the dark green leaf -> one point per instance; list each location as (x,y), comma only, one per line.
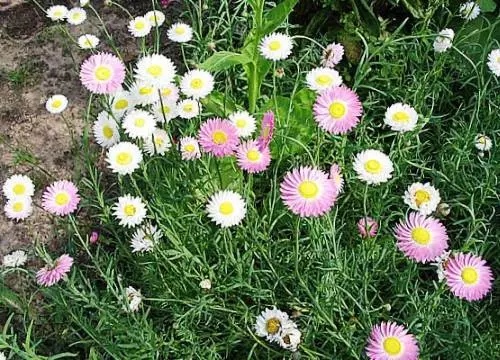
(487,5)
(223,60)
(219,104)
(278,15)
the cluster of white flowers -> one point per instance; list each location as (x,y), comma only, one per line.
(277,327)
(19,190)
(15,259)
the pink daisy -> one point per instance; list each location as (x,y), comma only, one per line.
(50,274)
(307,191)
(102,73)
(266,131)
(332,55)
(218,137)
(251,158)
(421,238)
(336,176)
(367,227)
(390,341)
(61,198)
(468,276)
(337,110)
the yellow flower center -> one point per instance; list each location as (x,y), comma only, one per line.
(139,25)
(469,275)
(121,104)
(19,189)
(498,59)
(196,84)
(188,107)
(373,166)
(88,43)
(58,13)
(159,141)
(219,137)
(180,30)
(482,140)
(274,45)
(422,197)
(18,206)
(273,325)
(324,80)
(421,235)
(392,346)
(56,103)
(62,198)
(129,210)
(308,189)
(166,109)
(337,110)
(155,70)
(75,16)
(139,122)
(226,208)
(166,92)
(401,116)
(241,123)
(145,90)
(253,155)
(102,73)
(189,147)
(107,132)
(124,158)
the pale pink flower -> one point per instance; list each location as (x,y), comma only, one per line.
(218,137)
(251,158)
(390,341)
(102,73)
(367,227)
(61,198)
(51,274)
(332,55)
(266,131)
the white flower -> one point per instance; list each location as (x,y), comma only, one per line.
(76,16)
(105,130)
(290,336)
(188,108)
(84,2)
(373,166)
(57,12)
(130,210)
(165,110)
(156,70)
(145,238)
(169,92)
(143,93)
(134,298)
(482,142)
(139,27)
(444,40)
(469,10)
(88,41)
(2,356)
(123,158)
(423,198)
(401,117)
(121,102)
(197,84)
(190,149)
(323,78)
(270,324)
(440,262)
(155,18)
(244,123)
(276,46)
(180,32)
(56,104)
(206,284)
(18,185)
(18,208)
(139,124)
(159,143)
(16,259)
(494,61)
(226,208)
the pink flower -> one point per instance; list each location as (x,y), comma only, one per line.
(94,236)
(468,276)
(251,158)
(102,73)
(332,55)
(390,341)
(337,110)
(421,238)
(367,227)
(218,137)
(336,176)
(307,191)
(61,198)
(267,129)
(49,275)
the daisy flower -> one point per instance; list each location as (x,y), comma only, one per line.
(188,108)
(129,210)
(251,159)
(190,149)
(270,324)
(76,16)
(121,102)
(18,185)
(276,46)
(144,93)
(390,341)
(218,137)
(373,166)
(337,110)
(124,157)
(267,130)
(134,298)
(158,143)
(105,130)
(18,208)
(180,33)
(57,12)
(444,40)
(469,10)
(53,273)
(482,142)
(323,78)
(102,73)
(290,337)
(244,122)
(15,259)
(155,18)
(494,61)
(468,276)
(421,238)
(336,176)
(139,124)
(56,104)
(61,198)
(139,27)
(169,92)
(88,41)
(145,238)
(226,208)
(367,227)
(423,198)
(307,191)
(332,55)
(156,70)
(197,84)
(439,263)
(165,110)
(401,117)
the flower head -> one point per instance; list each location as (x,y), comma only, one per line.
(51,274)
(165,110)
(145,238)
(189,148)
(105,130)
(180,33)
(276,46)
(88,41)
(15,259)
(57,12)
(423,198)
(323,78)
(129,210)
(401,117)
(156,70)
(444,40)
(143,93)
(76,16)
(61,198)
(56,104)
(494,61)
(121,102)
(94,236)
(440,262)
(367,227)
(469,10)
(206,284)
(482,142)
(373,166)
(18,208)
(134,298)
(226,208)
(188,108)
(336,176)
(139,26)
(155,18)
(266,130)
(251,158)
(332,55)
(169,92)
(197,84)
(290,337)
(139,124)
(102,73)
(158,143)
(218,137)
(18,186)
(124,157)
(270,324)
(244,122)
(390,341)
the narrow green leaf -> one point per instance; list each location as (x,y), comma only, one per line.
(278,15)
(219,104)
(224,60)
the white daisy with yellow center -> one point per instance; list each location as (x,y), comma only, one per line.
(143,93)
(139,26)
(323,78)
(244,123)
(483,142)
(88,41)
(123,158)
(139,124)
(197,84)
(226,208)
(18,208)
(188,108)
(189,147)
(373,166)
(156,70)
(76,16)
(169,92)
(494,61)
(57,12)
(155,18)
(129,210)
(145,238)
(56,104)
(121,102)
(401,117)
(422,197)
(165,110)
(276,46)
(180,32)
(158,143)
(105,130)
(469,10)
(18,186)
(271,323)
